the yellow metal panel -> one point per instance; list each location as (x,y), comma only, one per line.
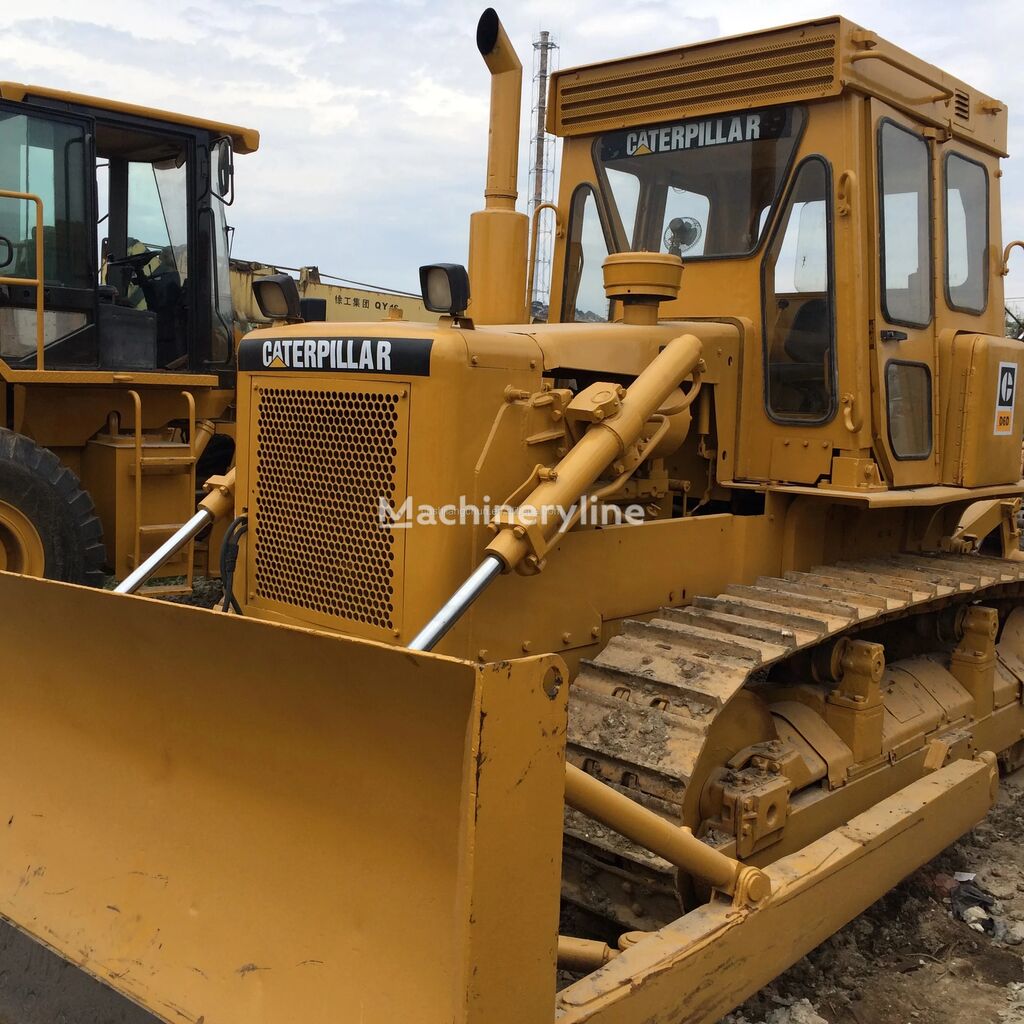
(991,419)
(168,497)
(328,831)
(797,459)
(792,63)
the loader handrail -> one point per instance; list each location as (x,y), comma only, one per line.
(217,503)
(38,280)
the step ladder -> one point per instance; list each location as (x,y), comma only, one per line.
(144,486)
(156,464)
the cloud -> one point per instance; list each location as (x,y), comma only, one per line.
(373,116)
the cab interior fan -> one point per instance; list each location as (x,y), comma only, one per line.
(681,234)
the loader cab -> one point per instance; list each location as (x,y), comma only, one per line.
(128,208)
(838,198)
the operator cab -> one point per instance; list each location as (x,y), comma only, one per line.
(134,234)
(837,199)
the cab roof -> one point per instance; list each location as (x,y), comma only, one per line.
(806,61)
(243,140)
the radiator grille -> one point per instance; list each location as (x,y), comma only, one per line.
(680,87)
(324,459)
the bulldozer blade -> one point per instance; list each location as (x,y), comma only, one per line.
(228,820)
(701,966)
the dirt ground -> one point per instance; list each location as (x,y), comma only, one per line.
(911,958)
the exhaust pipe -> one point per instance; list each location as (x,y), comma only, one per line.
(506,98)
(498,234)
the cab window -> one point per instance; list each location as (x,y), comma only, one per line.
(904,171)
(220,245)
(797,281)
(908,395)
(698,188)
(966,195)
(157,223)
(585,300)
(45,158)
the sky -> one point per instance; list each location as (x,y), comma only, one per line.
(373,116)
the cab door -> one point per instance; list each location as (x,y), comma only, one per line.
(903,338)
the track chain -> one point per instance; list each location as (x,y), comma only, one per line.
(641,711)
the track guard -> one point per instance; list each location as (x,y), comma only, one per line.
(233,821)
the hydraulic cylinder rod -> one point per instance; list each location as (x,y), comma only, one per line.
(575,474)
(217,503)
(531,530)
(165,552)
(677,845)
(456,606)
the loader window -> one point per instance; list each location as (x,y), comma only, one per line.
(46,158)
(148,250)
(585,300)
(966,234)
(220,239)
(700,188)
(908,393)
(904,186)
(798,303)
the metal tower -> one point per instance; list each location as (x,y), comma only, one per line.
(543,160)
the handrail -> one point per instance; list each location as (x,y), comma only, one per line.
(945,93)
(535,221)
(40,272)
(137,403)
(190,401)
(1010,246)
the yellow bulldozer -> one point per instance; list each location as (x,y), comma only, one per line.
(587,671)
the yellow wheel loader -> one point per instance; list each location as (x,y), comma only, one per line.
(651,644)
(116,327)
(118,313)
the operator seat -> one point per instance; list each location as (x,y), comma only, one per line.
(808,345)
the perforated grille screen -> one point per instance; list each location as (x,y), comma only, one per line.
(324,460)
(682,84)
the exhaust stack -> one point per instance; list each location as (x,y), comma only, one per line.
(498,234)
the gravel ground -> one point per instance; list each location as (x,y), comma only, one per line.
(912,957)
(205,592)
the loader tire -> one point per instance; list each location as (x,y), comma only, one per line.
(48,523)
